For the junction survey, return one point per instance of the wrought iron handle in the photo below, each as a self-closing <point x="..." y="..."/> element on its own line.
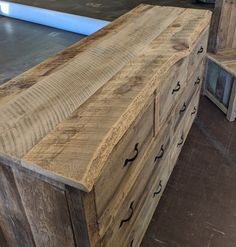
<point x="197" y="81"/>
<point x="177" y="88"/>
<point x="181" y="142"/>
<point x="194" y="111"/>
<point x="161" y="153"/>
<point x="131" y="243"/>
<point x="131" y="214"/>
<point x="127" y="161"/>
<point x="159" y="189"/>
<point x="200" y="50"/>
<point x="183" y="109"/>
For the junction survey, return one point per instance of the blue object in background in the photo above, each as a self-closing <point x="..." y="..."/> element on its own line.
<point x="68" y="22"/>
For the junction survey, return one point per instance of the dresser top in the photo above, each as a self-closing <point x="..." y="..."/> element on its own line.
<point x="63" y="118"/>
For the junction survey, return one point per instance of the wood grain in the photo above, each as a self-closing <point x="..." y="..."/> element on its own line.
<point x="223" y="26"/>
<point x="24" y="81"/>
<point x="225" y="59"/>
<point x="83" y="217"/>
<point x="28" y="117"/>
<point x="62" y="153"/>
<point x="47" y="211"/>
<point x="14" y="224"/>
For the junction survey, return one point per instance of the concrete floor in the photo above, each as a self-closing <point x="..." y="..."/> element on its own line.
<point x="105" y="9"/>
<point x="198" y="207"/>
<point x="24" y="45"/>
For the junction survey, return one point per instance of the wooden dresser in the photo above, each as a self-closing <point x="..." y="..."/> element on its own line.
<point x="89" y="138"/>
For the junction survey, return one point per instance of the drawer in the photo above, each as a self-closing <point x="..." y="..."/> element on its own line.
<point x="196" y="80"/>
<point x="192" y="85"/>
<point x="123" y="167"/>
<point x="172" y="88"/>
<point x="160" y="179"/>
<point x="198" y="53"/>
<point x="153" y="162"/>
<point x="156" y="188"/>
<point x="184" y="127"/>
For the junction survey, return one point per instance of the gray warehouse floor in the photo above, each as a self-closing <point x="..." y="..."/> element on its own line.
<point x="198" y="208"/>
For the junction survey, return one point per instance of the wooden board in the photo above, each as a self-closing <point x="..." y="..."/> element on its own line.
<point x="44" y="126"/>
<point x="223" y="26"/>
<point x="47" y="213"/>
<point x="225" y="59"/>
<point x="14" y="224"/>
<point x="33" y="212"/>
<point x="33" y="113"/>
<point x="83" y="217"/>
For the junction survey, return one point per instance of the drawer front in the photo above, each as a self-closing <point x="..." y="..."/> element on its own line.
<point x="132" y="220"/>
<point x="123" y="167"/>
<point x="198" y="53"/>
<point x="160" y="179"/>
<point x="193" y="84"/>
<point x="172" y="88"/>
<point x="154" y="160"/>
<point x="184" y="127"/>
<point x="196" y="80"/>
<point x="155" y="189"/>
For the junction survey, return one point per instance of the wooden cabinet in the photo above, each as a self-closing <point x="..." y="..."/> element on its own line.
<point x="89" y="138"/>
<point x="220" y="83"/>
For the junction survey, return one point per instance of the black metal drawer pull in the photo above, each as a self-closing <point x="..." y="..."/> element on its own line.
<point x="200" y="50"/>
<point x="183" y="109"/>
<point x="194" y="111"/>
<point x="131" y="214"/>
<point x="177" y="88"/>
<point x="131" y="243"/>
<point x="158" y="190"/>
<point x="161" y="153"/>
<point x="181" y="142"/>
<point x="197" y="81"/>
<point x="127" y="161"/>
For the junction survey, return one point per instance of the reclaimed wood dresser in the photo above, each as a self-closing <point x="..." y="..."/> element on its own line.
<point x="89" y="138"/>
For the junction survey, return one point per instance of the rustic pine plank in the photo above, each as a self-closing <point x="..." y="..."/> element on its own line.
<point x="223" y="26"/>
<point x="32" y="114"/>
<point x="47" y="211"/>
<point x="53" y="134"/>
<point x="226" y="59"/>
<point x="78" y="148"/>
<point x="212" y="44"/>
<point x="15" y="228"/>
<point x="83" y="217"/>
<point x="231" y="27"/>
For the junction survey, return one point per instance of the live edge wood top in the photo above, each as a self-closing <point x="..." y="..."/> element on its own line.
<point x="63" y="118"/>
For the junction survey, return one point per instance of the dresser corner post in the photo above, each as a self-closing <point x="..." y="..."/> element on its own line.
<point x="83" y="217"/>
